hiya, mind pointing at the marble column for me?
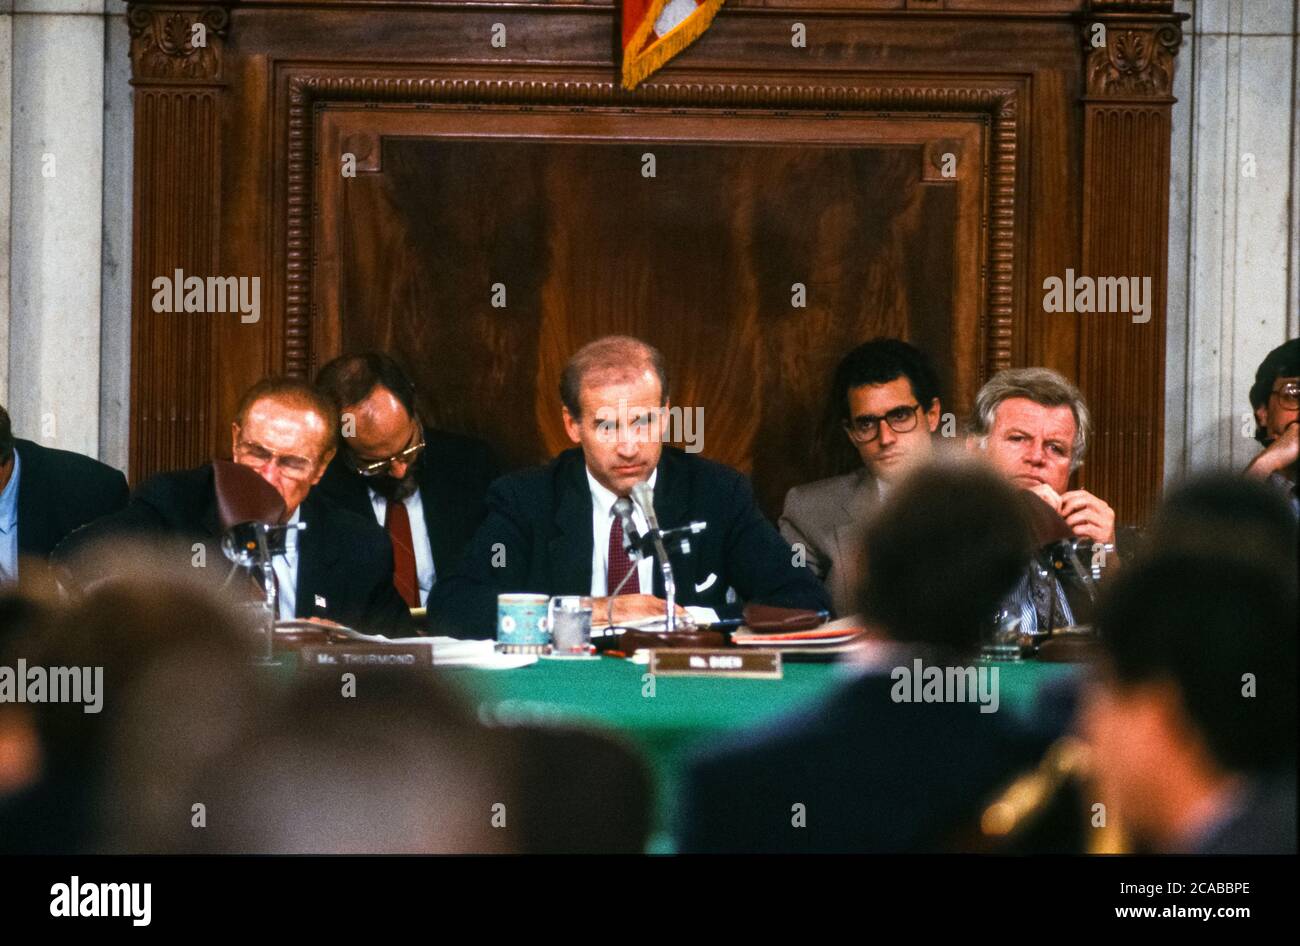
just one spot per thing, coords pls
(66, 199)
(1234, 279)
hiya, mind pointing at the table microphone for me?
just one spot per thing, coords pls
(631, 537)
(644, 496)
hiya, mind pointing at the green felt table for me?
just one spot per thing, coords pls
(684, 714)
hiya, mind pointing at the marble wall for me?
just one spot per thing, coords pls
(65, 122)
(1234, 234)
(65, 227)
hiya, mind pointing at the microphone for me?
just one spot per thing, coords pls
(631, 537)
(645, 498)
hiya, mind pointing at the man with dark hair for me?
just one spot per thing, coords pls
(1275, 398)
(424, 486)
(45, 494)
(886, 395)
(1193, 719)
(871, 770)
(553, 530)
(340, 567)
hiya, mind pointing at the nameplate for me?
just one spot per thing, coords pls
(359, 656)
(689, 662)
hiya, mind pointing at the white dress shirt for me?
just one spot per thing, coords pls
(602, 520)
(286, 570)
(424, 572)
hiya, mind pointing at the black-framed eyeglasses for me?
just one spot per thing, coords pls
(380, 467)
(866, 428)
(1289, 395)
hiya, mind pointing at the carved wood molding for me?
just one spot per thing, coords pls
(1137, 61)
(163, 42)
(997, 103)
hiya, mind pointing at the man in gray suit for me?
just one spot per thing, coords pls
(887, 395)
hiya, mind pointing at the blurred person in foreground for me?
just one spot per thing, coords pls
(402, 765)
(1192, 720)
(163, 680)
(870, 770)
(1275, 399)
(399, 766)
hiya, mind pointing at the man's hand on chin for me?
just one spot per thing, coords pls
(629, 608)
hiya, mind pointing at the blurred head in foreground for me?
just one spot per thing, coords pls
(154, 677)
(394, 763)
(941, 554)
(1193, 716)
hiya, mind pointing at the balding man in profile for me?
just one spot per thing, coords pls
(552, 529)
(339, 568)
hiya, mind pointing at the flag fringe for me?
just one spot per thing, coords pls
(638, 67)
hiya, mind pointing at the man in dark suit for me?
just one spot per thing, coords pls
(339, 568)
(874, 768)
(45, 494)
(1192, 717)
(552, 530)
(424, 486)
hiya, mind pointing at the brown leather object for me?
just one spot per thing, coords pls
(1046, 522)
(632, 640)
(770, 619)
(243, 496)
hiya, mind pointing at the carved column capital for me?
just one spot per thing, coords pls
(1136, 59)
(177, 42)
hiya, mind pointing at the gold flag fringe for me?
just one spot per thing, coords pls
(637, 67)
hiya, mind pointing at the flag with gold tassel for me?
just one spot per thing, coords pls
(655, 31)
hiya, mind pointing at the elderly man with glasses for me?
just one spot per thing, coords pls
(1275, 397)
(338, 568)
(886, 395)
(426, 487)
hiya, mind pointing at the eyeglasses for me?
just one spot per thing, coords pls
(1289, 395)
(379, 467)
(291, 466)
(866, 428)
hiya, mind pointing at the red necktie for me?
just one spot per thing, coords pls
(620, 563)
(398, 524)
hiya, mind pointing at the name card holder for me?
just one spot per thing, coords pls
(696, 662)
(361, 656)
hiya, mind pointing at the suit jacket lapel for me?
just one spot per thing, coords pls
(672, 509)
(571, 548)
(438, 511)
(848, 534)
(316, 557)
(36, 532)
